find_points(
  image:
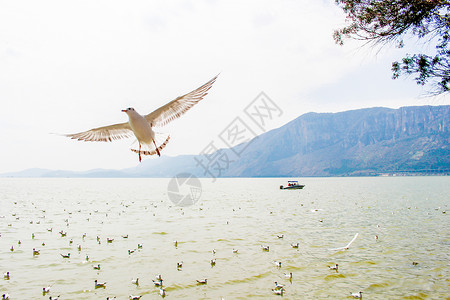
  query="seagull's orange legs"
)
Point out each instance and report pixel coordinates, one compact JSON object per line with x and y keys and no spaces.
{"x":157,"y":150}
{"x":140,"y":152}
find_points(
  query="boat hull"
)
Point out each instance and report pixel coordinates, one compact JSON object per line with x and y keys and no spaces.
{"x":292,"y":187}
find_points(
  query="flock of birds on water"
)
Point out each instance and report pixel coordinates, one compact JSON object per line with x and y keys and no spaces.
{"x":158,"y":282}
{"x":277,"y":289}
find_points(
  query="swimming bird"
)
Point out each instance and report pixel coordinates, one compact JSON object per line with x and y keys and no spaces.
{"x":335,"y":267}
{"x":280,"y":236}
{"x":125,"y":236}
{"x":158,"y":283}
{"x":5,"y":296}
{"x":179,"y":265}
{"x":109,"y":240}
{"x":36,"y":252}
{"x":54,"y":298}
{"x":135,"y":281}
{"x":348,"y":245}
{"x":288,"y":275}
{"x":175,"y":243}
{"x":99,"y":284}
{"x":65,"y":255}
{"x":79,"y":247}
{"x":213,"y":262}
{"x":202,"y":281}
{"x":130,"y":251}
{"x":6,"y":275}
{"x":278,"y":291}
{"x":162,"y":292}
{"x":12,"y":248}
{"x":158,"y":277}
{"x":277,"y":263}
{"x":141,"y":126}
{"x":235,"y":250}
{"x":135,"y":297}
{"x":278,"y":286}
{"x":265,"y":248}
{"x":45,"y":290}
{"x":356,"y":295}
{"x":140,"y":246}
{"x":97,"y":267}
{"x":295,"y":245}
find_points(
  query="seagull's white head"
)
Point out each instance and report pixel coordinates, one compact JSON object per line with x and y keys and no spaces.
{"x":128,"y":110}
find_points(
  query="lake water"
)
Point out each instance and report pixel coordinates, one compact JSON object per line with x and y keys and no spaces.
{"x":409,"y":260}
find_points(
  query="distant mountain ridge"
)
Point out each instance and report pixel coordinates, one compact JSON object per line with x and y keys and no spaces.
{"x":372,"y":141}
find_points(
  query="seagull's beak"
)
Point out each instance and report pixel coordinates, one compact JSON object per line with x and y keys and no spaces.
{"x":124,"y":110}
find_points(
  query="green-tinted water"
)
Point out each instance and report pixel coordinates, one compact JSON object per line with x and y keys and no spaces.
{"x":407,"y":215}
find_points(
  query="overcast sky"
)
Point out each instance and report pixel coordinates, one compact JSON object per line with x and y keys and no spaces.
{"x":69,"y":66}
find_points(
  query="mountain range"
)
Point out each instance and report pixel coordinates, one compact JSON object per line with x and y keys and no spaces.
{"x":363,"y":142}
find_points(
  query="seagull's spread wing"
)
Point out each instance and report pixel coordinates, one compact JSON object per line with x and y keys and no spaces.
{"x":348,"y":245}
{"x":354,"y":238}
{"x":104,"y":134}
{"x":179,"y":106}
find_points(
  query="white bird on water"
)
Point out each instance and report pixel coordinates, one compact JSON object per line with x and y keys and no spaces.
{"x":158,"y":283}
{"x":162,"y":292}
{"x":142,"y":126}
{"x":99,"y":284}
{"x":356,"y":295}
{"x":295,"y":245}
{"x":347,"y":246}
{"x":278,"y":291}
{"x":335,"y":267}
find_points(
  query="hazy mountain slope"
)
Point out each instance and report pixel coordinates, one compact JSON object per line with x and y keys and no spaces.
{"x":358,"y":142}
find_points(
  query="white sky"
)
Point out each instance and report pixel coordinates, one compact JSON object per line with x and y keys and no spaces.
{"x":68,"y":66}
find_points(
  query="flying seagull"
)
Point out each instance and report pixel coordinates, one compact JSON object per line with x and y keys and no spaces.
{"x":142,"y":126}
{"x":347,"y":246}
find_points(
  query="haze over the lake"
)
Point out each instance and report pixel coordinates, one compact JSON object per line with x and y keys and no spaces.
{"x":71,"y":66}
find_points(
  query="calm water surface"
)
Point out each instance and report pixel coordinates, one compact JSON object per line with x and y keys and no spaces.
{"x":406,"y":213}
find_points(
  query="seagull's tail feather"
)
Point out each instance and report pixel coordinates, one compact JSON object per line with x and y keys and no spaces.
{"x":161,"y":140}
